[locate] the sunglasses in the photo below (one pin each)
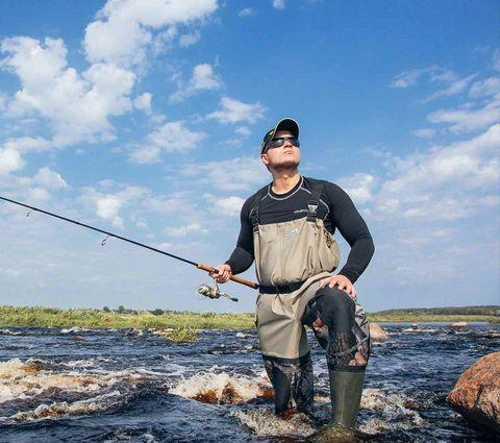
(278, 142)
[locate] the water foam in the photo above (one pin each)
(21, 380)
(397, 410)
(222, 388)
(266, 424)
(100, 403)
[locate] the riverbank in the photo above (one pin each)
(180, 324)
(175, 326)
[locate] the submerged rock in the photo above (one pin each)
(334, 434)
(459, 326)
(73, 330)
(476, 394)
(377, 334)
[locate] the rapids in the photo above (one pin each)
(108, 386)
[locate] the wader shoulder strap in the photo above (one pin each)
(255, 209)
(314, 201)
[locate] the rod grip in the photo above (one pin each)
(239, 280)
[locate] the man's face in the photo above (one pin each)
(285, 157)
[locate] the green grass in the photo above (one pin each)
(179, 326)
(427, 318)
(182, 326)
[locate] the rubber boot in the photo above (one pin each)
(345, 392)
(346, 388)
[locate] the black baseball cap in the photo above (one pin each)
(285, 124)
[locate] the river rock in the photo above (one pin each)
(476, 394)
(377, 334)
(459, 326)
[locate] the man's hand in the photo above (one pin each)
(223, 273)
(342, 282)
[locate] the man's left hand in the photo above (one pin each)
(342, 282)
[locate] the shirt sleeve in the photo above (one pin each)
(243, 255)
(344, 215)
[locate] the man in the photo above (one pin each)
(287, 227)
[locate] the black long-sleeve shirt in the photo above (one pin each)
(336, 208)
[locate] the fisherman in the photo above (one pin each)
(287, 227)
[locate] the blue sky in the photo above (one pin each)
(145, 118)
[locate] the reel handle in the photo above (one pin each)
(239, 280)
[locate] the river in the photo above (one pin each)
(75, 385)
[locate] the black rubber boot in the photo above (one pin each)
(346, 388)
(345, 392)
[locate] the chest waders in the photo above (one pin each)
(291, 259)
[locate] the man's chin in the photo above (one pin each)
(286, 166)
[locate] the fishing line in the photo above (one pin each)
(210, 269)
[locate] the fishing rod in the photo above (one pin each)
(203, 290)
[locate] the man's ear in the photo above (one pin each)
(264, 159)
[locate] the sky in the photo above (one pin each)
(145, 119)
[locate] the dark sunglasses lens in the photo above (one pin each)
(280, 141)
(276, 142)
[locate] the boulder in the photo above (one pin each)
(459, 326)
(476, 394)
(377, 334)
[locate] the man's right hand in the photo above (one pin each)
(223, 273)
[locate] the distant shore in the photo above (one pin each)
(182, 326)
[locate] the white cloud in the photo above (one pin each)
(446, 183)
(125, 28)
(28, 144)
(246, 12)
(108, 205)
(234, 111)
(435, 74)
(10, 161)
(49, 179)
(410, 78)
(108, 208)
(466, 119)
(170, 205)
(237, 174)
(77, 107)
(279, 4)
(243, 131)
(203, 79)
(462, 161)
(406, 79)
(455, 87)
(183, 231)
(229, 206)
(359, 187)
(186, 40)
(168, 138)
(143, 102)
(496, 60)
(426, 133)
(484, 88)
(38, 195)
